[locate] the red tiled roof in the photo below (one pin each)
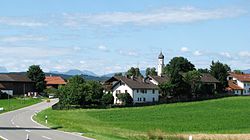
(54, 80)
(241, 77)
(233, 86)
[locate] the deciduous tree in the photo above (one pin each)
(36, 74)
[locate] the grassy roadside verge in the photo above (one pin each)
(220, 116)
(17, 103)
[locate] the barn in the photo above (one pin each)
(15, 84)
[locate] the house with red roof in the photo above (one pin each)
(54, 81)
(239, 84)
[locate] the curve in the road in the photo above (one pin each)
(19, 125)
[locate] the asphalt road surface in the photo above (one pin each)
(18, 125)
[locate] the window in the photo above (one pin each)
(138, 99)
(245, 84)
(137, 90)
(153, 99)
(144, 99)
(145, 91)
(153, 91)
(118, 91)
(126, 91)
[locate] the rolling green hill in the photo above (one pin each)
(220, 116)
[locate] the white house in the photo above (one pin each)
(239, 84)
(140, 90)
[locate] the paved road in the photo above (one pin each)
(16, 125)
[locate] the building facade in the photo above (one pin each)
(140, 90)
(239, 84)
(16, 85)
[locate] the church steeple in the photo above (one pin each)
(160, 64)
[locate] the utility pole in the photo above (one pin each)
(9, 100)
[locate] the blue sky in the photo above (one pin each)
(113, 35)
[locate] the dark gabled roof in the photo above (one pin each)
(160, 79)
(208, 78)
(134, 83)
(14, 78)
(205, 78)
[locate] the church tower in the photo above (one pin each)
(160, 64)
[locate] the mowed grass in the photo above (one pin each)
(17, 103)
(220, 116)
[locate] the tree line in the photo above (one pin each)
(184, 81)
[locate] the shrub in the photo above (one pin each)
(107, 99)
(125, 98)
(4, 95)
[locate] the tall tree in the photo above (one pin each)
(193, 78)
(151, 71)
(179, 64)
(176, 67)
(134, 72)
(220, 72)
(36, 74)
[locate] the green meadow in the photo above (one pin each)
(220, 116)
(17, 103)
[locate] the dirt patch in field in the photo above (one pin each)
(219, 136)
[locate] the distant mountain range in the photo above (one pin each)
(143, 72)
(75, 72)
(3, 70)
(65, 76)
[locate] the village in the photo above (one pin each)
(141, 89)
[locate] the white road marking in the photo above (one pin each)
(3, 138)
(27, 130)
(46, 137)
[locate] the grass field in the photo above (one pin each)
(221, 116)
(16, 103)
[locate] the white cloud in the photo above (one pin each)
(103, 48)
(128, 52)
(244, 54)
(226, 54)
(23, 38)
(17, 21)
(33, 52)
(184, 49)
(157, 16)
(197, 53)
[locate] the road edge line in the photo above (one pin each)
(3, 138)
(58, 130)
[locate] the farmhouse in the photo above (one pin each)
(14, 84)
(140, 89)
(54, 81)
(239, 84)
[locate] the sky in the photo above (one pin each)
(106, 36)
